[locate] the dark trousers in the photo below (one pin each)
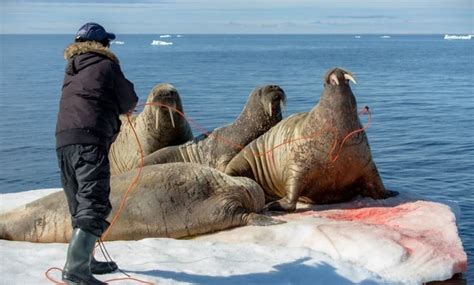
(85, 177)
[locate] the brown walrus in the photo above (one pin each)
(170, 200)
(157, 126)
(262, 111)
(290, 168)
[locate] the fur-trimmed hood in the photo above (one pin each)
(89, 46)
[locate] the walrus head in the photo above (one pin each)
(273, 100)
(337, 92)
(338, 76)
(162, 104)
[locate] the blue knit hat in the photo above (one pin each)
(93, 32)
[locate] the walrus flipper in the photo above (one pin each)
(280, 205)
(239, 166)
(372, 185)
(254, 219)
(292, 186)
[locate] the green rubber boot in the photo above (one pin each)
(102, 267)
(77, 270)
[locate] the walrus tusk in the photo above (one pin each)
(333, 78)
(282, 106)
(171, 117)
(157, 119)
(349, 77)
(270, 109)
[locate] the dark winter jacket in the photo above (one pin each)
(94, 94)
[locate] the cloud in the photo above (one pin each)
(254, 25)
(353, 20)
(243, 16)
(366, 17)
(330, 23)
(76, 2)
(89, 3)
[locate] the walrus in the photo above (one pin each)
(173, 200)
(262, 111)
(157, 126)
(290, 166)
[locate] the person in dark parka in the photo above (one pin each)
(94, 93)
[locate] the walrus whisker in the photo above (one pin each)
(171, 117)
(349, 77)
(153, 132)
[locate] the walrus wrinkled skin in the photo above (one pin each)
(170, 200)
(303, 169)
(156, 126)
(262, 111)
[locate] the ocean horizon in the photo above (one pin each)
(250, 34)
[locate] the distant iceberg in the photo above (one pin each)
(117, 42)
(178, 36)
(165, 36)
(385, 37)
(160, 43)
(456, 37)
(357, 37)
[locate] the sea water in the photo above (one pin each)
(419, 89)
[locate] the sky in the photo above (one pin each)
(239, 16)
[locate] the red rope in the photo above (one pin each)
(226, 141)
(131, 186)
(348, 136)
(119, 211)
(240, 147)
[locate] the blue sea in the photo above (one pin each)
(420, 90)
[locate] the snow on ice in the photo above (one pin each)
(399, 240)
